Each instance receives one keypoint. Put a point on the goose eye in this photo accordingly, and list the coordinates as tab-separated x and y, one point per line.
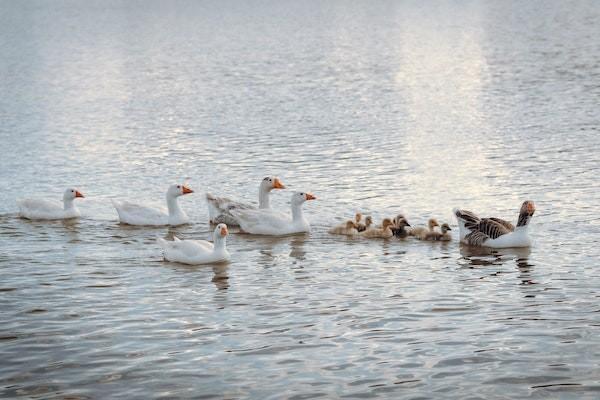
178	187
72	191
301	194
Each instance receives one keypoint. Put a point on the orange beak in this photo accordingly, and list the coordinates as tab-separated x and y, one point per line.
310	197
277	184
224	231
187	190
78	194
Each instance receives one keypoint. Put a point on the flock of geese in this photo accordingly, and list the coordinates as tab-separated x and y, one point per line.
263	220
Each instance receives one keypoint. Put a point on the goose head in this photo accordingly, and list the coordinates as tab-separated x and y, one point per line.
350	225
432	223
301	197
271	182
528	208
71	194
397	219
445	227
401	222
178	190
386	223
368	221
358	217
221	231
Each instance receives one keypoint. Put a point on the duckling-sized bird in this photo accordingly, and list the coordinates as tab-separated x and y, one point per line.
442	236
399	224
420	231
46	209
363	227
495	232
197	251
384	232
348	228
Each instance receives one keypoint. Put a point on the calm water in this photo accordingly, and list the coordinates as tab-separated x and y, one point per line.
381	107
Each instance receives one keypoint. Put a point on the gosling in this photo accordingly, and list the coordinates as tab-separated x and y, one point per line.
363	227
348	228
399	224
442	236
385	232
420	231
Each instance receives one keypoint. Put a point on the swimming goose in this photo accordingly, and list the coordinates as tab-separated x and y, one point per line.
384	232
495	232
363	227
46	209
269	222
348	228
399	223
420	231
442	236
197	251
135	214
219	208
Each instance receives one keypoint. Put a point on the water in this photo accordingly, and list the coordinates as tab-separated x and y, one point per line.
383	107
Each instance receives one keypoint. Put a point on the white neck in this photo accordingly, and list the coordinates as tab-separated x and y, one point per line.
297	211
68	204
263	198
522	228
173	206
219	242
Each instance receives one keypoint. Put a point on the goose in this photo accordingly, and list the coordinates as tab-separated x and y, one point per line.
269	222
363	227
47	209
348	228
495	232
135	214
420	231
197	251
219	208
442	236
399	223
384	232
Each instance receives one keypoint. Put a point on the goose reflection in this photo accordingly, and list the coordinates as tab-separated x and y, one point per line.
297	247
221	277
478	256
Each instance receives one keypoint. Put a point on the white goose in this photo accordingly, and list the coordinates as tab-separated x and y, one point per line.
136	214
269	222
495	232
219	208
46	209
197	251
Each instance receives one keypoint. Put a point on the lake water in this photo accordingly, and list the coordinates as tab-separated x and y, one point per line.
382	107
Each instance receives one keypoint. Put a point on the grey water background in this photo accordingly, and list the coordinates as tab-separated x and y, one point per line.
382	107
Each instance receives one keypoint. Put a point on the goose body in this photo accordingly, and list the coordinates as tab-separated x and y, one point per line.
220	208
495	232
41	209
137	214
269	222
197	251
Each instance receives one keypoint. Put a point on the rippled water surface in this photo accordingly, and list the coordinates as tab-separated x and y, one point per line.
383	107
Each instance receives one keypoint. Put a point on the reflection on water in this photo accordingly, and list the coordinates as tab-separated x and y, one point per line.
381	108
